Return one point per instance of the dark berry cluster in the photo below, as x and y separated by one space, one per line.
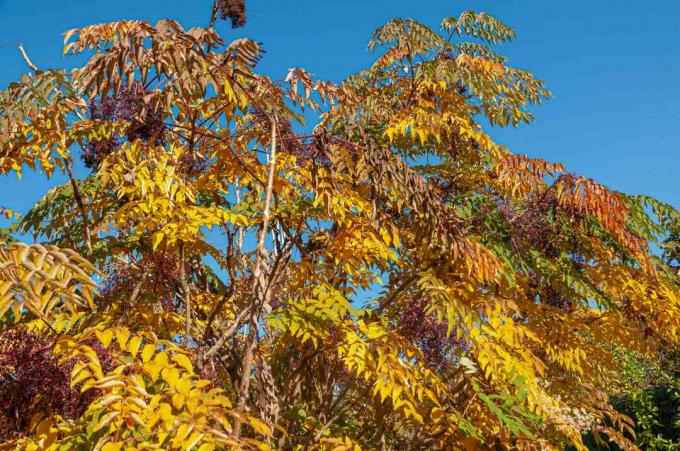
291 143
544 291
192 163
428 333
33 381
234 10
541 226
532 227
131 105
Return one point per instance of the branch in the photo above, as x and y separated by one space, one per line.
27 59
133 298
236 325
81 206
213 16
187 293
259 284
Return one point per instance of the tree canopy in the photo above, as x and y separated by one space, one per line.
387 277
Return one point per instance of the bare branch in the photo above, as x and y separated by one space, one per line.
259 283
27 59
186 290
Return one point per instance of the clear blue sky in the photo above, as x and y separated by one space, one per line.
614 67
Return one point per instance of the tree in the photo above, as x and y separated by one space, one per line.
393 279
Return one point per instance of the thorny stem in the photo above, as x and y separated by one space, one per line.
259 283
238 201
186 291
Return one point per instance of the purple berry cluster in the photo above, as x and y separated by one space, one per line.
131 105
531 228
33 381
429 333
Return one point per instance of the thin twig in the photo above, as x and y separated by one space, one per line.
27 59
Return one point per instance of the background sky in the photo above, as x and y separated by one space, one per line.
613 66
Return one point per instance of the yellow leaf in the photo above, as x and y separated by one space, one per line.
183 387
161 359
158 237
153 369
122 336
106 420
183 361
109 384
177 401
170 376
259 427
147 352
82 375
133 345
182 431
165 412
105 337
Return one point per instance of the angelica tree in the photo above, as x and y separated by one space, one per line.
390 277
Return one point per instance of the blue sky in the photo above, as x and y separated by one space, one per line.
613 66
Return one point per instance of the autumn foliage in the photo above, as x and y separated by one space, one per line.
217 275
